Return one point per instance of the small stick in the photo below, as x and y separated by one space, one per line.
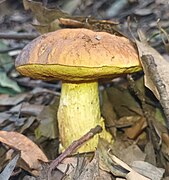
74 146
19 36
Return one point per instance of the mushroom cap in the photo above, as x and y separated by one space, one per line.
77 55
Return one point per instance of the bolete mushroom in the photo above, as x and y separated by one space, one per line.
78 57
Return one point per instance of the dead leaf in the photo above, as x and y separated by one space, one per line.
165 146
6 100
52 19
27 109
132 175
7 172
121 99
115 165
127 121
73 161
91 171
30 152
148 170
83 167
143 12
131 154
165 138
166 36
48 122
108 114
134 131
150 153
162 67
4 116
43 14
27 124
45 28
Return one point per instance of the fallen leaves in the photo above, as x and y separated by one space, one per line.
43 14
136 129
51 19
121 169
8 170
27 108
103 165
121 111
31 154
20 115
6 100
48 122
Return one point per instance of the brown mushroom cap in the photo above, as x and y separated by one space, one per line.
76 55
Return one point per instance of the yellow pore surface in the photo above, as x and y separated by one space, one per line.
59 72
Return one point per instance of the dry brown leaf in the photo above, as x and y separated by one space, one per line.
47 18
131 154
134 131
127 121
162 67
52 19
165 147
165 138
43 14
115 165
30 152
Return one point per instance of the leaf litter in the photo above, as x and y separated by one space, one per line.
126 119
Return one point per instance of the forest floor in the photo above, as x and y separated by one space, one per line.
28 107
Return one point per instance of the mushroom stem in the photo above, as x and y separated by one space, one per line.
78 112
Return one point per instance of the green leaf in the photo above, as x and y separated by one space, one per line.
6 61
5 90
5 81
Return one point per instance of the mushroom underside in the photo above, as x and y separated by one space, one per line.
73 73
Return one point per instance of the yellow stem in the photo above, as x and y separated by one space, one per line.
78 112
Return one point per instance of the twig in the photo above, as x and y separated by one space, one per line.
155 77
74 146
19 36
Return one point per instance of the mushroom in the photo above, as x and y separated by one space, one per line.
78 57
